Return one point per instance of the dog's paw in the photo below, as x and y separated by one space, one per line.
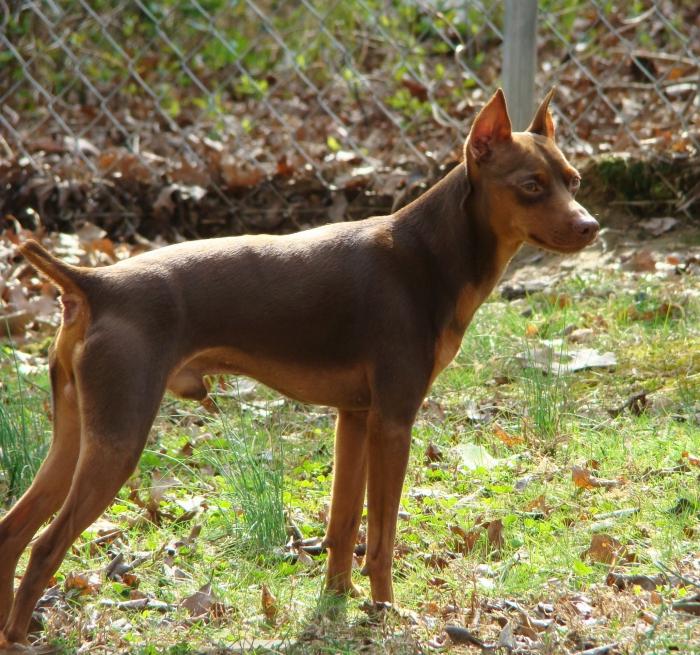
341 589
378 612
14 647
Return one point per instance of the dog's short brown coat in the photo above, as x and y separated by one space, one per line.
359 316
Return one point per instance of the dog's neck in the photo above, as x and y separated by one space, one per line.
452 222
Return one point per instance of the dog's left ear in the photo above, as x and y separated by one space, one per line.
542 123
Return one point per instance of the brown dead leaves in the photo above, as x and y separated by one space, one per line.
647 582
433 453
605 549
467 539
539 505
507 438
269 604
82 584
203 605
583 478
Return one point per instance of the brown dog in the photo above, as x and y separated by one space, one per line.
359 316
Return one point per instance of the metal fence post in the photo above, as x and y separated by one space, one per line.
519 60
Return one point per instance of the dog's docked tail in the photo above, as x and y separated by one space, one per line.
66 277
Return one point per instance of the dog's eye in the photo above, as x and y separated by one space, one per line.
531 186
574 184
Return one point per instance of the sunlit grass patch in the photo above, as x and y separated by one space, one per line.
23 438
248 459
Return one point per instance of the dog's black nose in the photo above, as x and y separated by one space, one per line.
588 227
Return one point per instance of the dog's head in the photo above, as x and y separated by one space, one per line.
526 181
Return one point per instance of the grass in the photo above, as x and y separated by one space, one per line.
22 438
207 505
544 388
249 461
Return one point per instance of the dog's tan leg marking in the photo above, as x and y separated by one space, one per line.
349 483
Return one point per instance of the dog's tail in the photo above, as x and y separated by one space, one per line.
69 279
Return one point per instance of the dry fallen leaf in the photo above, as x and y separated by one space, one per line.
552 358
658 226
581 477
471 457
606 550
131 580
468 538
665 311
584 479
494 532
15 323
538 504
269 604
641 261
104 246
561 300
416 89
433 453
648 582
437 560
460 635
83 583
693 460
505 437
237 177
284 168
200 603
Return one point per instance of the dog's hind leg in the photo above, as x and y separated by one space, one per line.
120 385
349 483
49 488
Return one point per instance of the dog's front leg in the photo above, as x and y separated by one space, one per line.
389 444
349 483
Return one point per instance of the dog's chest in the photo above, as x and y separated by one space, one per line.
450 338
446 348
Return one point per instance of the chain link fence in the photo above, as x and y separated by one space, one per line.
197 117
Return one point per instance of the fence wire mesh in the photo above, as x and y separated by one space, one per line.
197 117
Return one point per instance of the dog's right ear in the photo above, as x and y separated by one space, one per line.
491 126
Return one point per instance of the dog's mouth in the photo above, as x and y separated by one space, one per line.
565 248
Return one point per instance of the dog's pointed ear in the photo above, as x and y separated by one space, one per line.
491 126
542 123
